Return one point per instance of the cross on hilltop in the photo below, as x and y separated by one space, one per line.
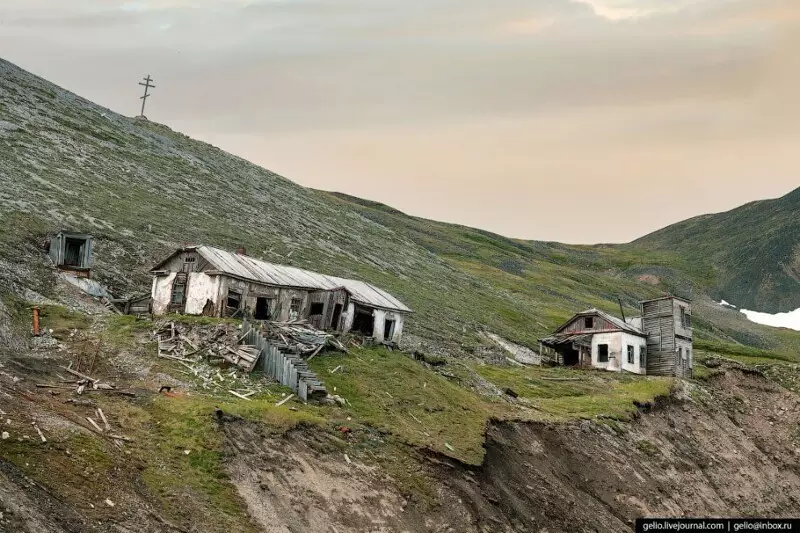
147 86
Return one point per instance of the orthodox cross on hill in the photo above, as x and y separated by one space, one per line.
147 86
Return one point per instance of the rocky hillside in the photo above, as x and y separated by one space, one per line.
142 189
755 250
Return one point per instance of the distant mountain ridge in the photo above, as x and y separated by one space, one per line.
755 250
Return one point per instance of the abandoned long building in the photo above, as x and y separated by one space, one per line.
203 280
659 342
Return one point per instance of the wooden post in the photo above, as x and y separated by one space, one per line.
36 330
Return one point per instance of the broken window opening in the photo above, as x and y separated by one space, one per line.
234 300
588 322
263 306
337 315
294 308
388 329
686 319
364 323
602 353
631 355
316 309
643 356
74 252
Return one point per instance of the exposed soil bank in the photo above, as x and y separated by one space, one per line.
730 449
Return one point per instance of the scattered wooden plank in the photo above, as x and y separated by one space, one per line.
120 437
319 349
93 423
335 369
104 419
284 400
242 396
447 445
39 431
76 373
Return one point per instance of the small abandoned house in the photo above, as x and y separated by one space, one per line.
202 280
72 252
657 343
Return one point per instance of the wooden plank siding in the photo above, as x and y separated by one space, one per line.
661 322
578 325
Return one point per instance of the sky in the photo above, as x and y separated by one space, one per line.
578 121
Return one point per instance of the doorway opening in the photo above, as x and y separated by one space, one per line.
388 329
262 308
74 252
364 323
337 315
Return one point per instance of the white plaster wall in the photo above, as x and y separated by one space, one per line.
618 342
349 316
200 288
378 316
614 341
639 344
398 327
162 293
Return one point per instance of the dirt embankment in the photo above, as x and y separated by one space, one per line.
731 449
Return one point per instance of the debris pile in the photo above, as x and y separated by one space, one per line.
194 346
299 337
179 342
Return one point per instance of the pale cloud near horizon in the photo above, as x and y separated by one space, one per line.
549 119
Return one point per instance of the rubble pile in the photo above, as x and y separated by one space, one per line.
298 337
179 342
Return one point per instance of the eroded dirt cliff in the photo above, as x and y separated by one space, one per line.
730 447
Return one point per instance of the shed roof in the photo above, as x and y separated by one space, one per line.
582 339
249 268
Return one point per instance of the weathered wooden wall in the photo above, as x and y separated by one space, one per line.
578 325
661 321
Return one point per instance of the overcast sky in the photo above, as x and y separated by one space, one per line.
572 120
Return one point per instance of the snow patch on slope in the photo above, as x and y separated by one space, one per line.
789 320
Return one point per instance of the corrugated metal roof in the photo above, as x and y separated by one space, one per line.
246 267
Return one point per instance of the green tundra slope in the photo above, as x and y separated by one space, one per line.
142 189
755 250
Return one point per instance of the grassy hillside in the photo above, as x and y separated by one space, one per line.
755 250
142 189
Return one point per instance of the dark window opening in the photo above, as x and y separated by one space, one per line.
631 355
74 252
388 329
588 322
364 323
602 353
337 315
262 309
643 356
316 309
234 300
